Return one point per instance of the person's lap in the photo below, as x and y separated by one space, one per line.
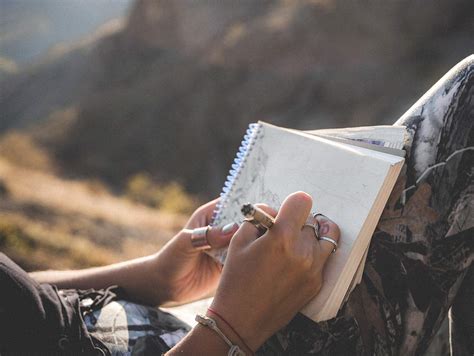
36 317
40 319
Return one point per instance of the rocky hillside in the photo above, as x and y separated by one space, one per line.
171 91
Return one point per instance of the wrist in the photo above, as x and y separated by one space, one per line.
246 321
160 288
200 341
230 332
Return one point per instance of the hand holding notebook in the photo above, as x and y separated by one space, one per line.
248 295
349 174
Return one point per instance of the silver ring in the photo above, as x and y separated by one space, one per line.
328 239
314 226
199 238
315 229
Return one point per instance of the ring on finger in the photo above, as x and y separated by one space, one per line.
331 240
261 228
199 238
315 215
314 226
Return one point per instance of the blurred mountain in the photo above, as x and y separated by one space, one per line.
57 81
172 90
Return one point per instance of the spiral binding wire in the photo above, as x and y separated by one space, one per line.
239 161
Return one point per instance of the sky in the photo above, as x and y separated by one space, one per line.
29 28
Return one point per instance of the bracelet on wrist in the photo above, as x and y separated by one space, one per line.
234 350
212 311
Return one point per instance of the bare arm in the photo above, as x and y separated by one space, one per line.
178 273
286 258
140 278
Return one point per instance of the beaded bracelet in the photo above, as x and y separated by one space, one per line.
234 350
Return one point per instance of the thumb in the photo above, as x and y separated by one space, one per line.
294 211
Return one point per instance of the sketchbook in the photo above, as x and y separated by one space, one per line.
350 174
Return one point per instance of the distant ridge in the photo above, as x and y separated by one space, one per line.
171 92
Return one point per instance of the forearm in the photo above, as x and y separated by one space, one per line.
139 278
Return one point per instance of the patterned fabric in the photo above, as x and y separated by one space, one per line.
126 328
422 251
419 262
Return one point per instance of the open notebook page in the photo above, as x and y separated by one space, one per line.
343 180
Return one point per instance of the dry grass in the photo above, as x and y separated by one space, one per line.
169 197
27 185
20 149
49 222
35 246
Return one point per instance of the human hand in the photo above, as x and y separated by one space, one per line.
188 274
266 281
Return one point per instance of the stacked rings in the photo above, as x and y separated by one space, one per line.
315 227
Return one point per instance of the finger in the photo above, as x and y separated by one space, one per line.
267 209
202 216
216 237
294 212
248 232
327 228
309 232
207 210
219 237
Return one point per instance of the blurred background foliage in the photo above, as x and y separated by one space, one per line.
169 197
119 117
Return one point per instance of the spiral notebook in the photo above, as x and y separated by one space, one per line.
350 174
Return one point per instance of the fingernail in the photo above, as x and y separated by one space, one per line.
228 228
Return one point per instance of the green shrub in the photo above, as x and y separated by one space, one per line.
140 189
173 198
170 197
13 238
